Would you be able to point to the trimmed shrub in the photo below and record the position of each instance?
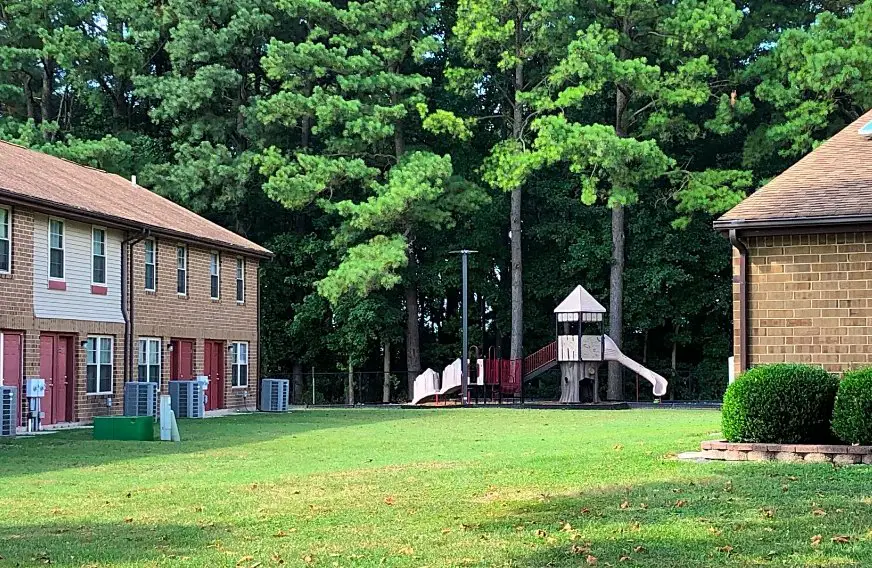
(852, 415)
(780, 404)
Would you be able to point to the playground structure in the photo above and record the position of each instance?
(579, 355)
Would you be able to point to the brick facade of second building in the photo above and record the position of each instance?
(809, 300)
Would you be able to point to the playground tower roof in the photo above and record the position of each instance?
(579, 301)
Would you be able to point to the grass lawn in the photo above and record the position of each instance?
(425, 488)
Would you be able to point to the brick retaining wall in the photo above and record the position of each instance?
(815, 453)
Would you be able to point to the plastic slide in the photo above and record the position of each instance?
(428, 386)
(612, 353)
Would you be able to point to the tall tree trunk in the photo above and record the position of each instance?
(28, 97)
(297, 377)
(386, 369)
(615, 386)
(47, 89)
(516, 350)
(349, 393)
(413, 337)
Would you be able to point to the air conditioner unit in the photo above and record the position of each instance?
(140, 399)
(9, 410)
(187, 399)
(274, 395)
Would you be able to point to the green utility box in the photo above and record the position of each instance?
(140, 428)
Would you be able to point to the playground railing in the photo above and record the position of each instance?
(540, 358)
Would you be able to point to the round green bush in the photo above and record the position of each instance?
(780, 404)
(852, 415)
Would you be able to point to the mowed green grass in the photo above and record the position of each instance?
(430, 488)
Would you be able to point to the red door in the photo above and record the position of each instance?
(182, 359)
(213, 358)
(12, 371)
(55, 365)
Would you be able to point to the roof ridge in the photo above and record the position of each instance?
(61, 158)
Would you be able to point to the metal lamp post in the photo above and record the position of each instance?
(464, 358)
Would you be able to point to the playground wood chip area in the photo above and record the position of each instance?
(392, 487)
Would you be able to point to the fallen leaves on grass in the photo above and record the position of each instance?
(819, 513)
(618, 447)
(389, 500)
(680, 503)
(308, 559)
(625, 504)
(541, 533)
(591, 560)
(841, 539)
(446, 531)
(407, 551)
(816, 540)
(283, 533)
(244, 560)
(726, 549)
(579, 549)
(275, 557)
(640, 549)
(624, 558)
(768, 513)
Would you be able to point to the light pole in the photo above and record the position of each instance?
(464, 358)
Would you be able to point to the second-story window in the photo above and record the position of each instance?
(150, 266)
(5, 240)
(56, 249)
(240, 280)
(98, 256)
(215, 276)
(182, 270)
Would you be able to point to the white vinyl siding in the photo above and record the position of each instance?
(149, 360)
(5, 241)
(150, 265)
(98, 353)
(56, 252)
(239, 364)
(182, 271)
(98, 256)
(240, 280)
(215, 276)
(76, 302)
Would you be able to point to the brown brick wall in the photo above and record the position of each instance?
(16, 289)
(196, 316)
(160, 314)
(810, 300)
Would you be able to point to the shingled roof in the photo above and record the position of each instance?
(55, 184)
(832, 185)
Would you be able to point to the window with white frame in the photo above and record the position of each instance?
(98, 357)
(239, 364)
(150, 265)
(215, 276)
(98, 256)
(149, 360)
(56, 249)
(240, 280)
(182, 270)
(5, 240)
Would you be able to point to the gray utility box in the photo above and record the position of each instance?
(274, 395)
(187, 399)
(140, 399)
(10, 408)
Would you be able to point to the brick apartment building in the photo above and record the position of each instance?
(103, 281)
(802, 260)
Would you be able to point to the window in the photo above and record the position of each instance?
(5, 240)
(150, 265)
(239, 364)
(240, 280)
(182, 271)
(56, 249)
(214, 276)
(99, 363)
(98, 256)
(149, 360)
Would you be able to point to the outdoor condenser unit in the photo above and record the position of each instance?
(140, 399)
(187, 399)
(274, 395)
(9, 410)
